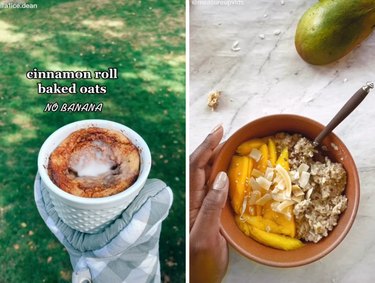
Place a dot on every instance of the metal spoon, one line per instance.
(349, 106)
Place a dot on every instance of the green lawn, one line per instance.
(145, 40)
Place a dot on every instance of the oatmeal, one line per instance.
(318, 214)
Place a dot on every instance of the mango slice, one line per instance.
(269, 239)
(272, 152)
(238, 172)
(266, 225)
(283, 159)
(262, 163)
(250, 208)
(246, 147)
(288, 226)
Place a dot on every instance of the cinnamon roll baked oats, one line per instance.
(94, 162)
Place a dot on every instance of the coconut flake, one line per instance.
(297, 199)
(244, 204)
(304, 179)
(294, 175)
(254, 196)
(254, 185)
(269, 173)
(309, 192)
(263, 200)
(297, 191)
(264, 183)
(275, 205)
(255, 154)
(303, 168)
(285, 176)
(280, 196)
(256, 173)
(285, 204)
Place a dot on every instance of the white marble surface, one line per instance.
(268, 77)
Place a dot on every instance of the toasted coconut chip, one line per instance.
(284, 174)
(280, 196)
(304, 179)
(297, 199)
(287, 214)
(309, 192)
(285, 204)
(256, 173)
(269, 174)
(254, 196)
(255, 154)
(278, 179)
(303, 168)
(263, 183)
(280, 185)
(263, 200)
(275, 205)
(244, 204)
(269, 164)
(297, 191)
(294, 175)
(254, 185)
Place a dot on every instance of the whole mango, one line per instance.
(330, 29)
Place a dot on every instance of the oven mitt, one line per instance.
(127, 250)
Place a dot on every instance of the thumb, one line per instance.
(210, 211)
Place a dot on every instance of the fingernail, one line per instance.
(220, 181)
(216, 128)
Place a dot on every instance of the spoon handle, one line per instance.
(349, 106)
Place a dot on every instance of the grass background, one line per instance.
(145, 40)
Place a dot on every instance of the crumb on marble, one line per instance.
(213, 99)
(235, 46)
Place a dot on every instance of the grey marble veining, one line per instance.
(267, 76)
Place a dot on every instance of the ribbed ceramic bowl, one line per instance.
(310, 252)
(90, 215)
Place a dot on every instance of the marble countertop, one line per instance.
(267, 76)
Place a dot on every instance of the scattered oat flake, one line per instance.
(31, 233)
(282, 2)
(261, 36)
(23, 225)
(16, 246)
(277, 32)
(334, 146)
(213, 99)
(265, 16)
(49, 259)
(345, 80)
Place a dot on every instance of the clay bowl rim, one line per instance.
(310, 252)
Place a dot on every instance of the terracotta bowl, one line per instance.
(310, 252)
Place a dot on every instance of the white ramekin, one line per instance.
(90, 215)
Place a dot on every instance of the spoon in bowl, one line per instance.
(349, 106)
